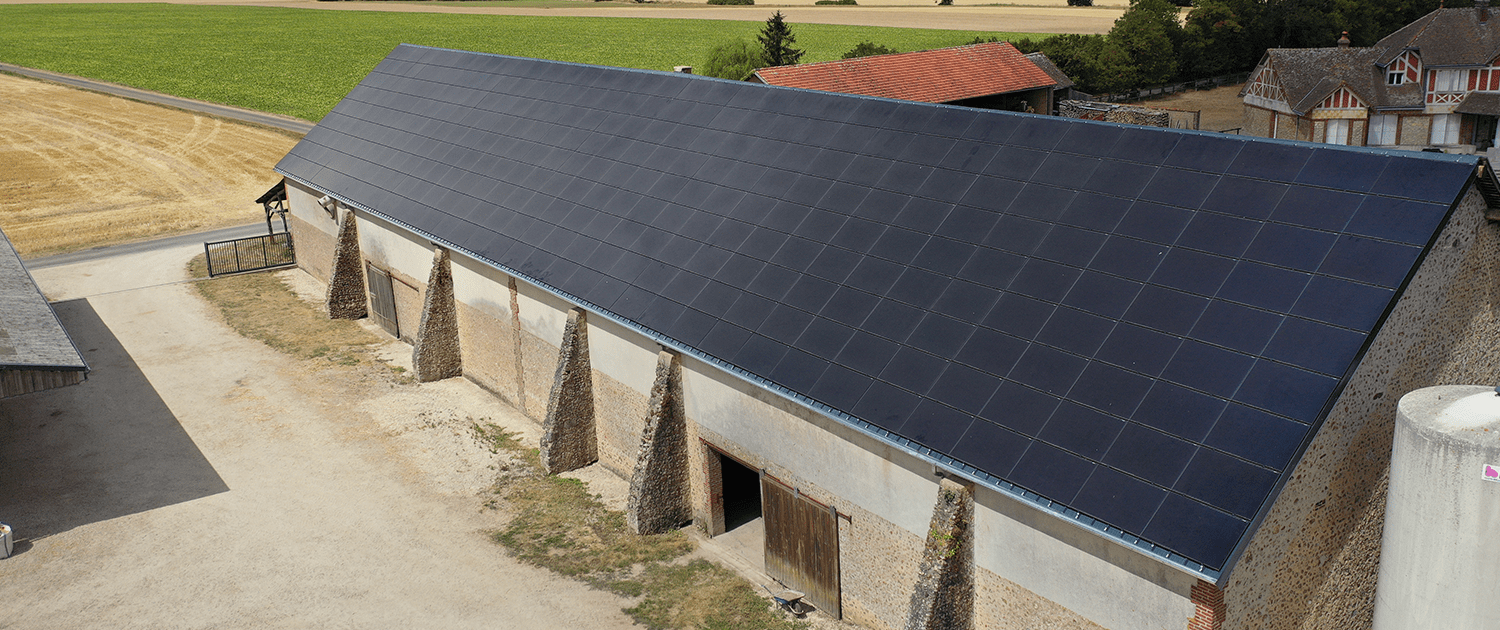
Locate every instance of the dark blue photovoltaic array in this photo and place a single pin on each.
(1143, 325)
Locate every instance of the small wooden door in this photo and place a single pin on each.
(382, 300)
(802, 545)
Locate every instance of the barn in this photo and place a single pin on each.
(963, 368)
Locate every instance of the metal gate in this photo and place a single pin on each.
(249, 254)
(802, 544)
(382, 299)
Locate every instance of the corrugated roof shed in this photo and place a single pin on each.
(930, 76)
(1137, 329)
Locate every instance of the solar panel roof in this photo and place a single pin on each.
(1137, 328)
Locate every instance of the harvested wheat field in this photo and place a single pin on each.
(80, 169)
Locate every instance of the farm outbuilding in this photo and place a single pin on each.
(967, 368)
(36, 353)
(990, 75)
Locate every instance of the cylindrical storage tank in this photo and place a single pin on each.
(1440, 554)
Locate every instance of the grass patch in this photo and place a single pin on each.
(701, 594)
(260, 306)
(300, 62)
(560, 525)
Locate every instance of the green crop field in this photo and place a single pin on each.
(301, 62)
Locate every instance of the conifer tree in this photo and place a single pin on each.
(777, 39)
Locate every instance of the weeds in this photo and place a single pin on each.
(701, 594)
(259, 306)
(562, 526)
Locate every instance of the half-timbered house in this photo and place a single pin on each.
(1434, 83)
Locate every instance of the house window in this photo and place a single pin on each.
(1395, 78)
(1382, 129)
(1449, 81)
(1338, 132)
(1445, 129)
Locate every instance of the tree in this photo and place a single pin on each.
(868, 49)
(1215, 41)
(776, 41)
(735, 59)
(1149, 33)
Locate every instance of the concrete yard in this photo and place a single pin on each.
(202, 480)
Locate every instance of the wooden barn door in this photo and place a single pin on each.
(802, 544)
(382, 300)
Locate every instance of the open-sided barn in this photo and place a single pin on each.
(977, 367)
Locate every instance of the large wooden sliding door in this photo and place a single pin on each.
(802, 544)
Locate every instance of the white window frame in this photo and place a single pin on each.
(1450, 81)
(1396, 77)
(1382, 129)
(1445, 129)
(1336, 132)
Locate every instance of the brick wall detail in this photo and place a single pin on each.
(1208, 601)
(346, 290)
(568, 441)
(435, 355)
(943, 598)
(658, 500)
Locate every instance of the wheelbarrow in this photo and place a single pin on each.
(790, 601)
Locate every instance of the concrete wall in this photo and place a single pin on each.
(1312, 564)
(314, 231)
(622, 388)
(1031, 569)
(486, 327)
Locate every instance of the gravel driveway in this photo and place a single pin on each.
(202, 480)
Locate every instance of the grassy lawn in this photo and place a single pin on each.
(301, 62)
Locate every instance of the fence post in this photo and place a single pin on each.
(209, 257)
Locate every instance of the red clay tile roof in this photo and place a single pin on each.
(932, 76)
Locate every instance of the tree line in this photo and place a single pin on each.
(1149, 45)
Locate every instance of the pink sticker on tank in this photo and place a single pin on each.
(1491, 472)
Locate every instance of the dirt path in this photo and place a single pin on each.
(1222, 108)
(84, 169)
(1037, 16)
(198, 479)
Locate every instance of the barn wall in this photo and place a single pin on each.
(486, 330)
(1313, 562)
(1031, 568)
(407, 257)
(314, 232)
(624, 367)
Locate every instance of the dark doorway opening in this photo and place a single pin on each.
(741, 493)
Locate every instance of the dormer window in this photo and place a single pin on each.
(1395, 78)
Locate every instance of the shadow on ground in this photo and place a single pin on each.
(105, 448)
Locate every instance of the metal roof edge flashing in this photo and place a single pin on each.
(921, 453)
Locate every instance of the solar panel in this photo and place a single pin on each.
(1142, 325)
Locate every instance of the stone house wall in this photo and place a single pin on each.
(1313, 562)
